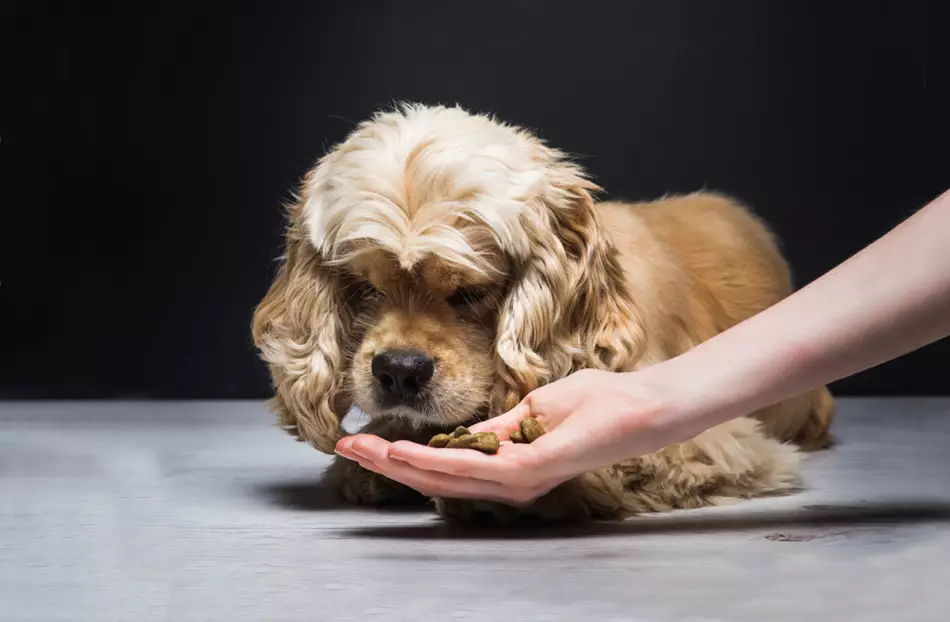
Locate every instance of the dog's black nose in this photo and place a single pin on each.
(402, 373)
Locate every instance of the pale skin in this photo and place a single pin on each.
(890, 299)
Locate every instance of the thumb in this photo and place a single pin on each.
(504, 424)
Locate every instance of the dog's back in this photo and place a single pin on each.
(697, 265)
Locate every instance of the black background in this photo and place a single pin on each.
(146, 149)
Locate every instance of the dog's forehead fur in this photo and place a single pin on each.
(426, 181)
(431, 274)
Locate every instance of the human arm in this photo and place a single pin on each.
(890, 299)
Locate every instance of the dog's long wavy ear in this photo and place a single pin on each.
(300, 328)
(568, 307)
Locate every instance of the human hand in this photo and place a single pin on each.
(592, 418)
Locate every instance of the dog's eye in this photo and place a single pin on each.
(368, 292)
(466, 296)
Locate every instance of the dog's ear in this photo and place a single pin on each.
(300, 328)
(568, 307)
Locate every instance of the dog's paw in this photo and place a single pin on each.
(360, 486)
(598, 495)
(554, 508)
(484, 513)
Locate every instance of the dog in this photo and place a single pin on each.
(441, 264)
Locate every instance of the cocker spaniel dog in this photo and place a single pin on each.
(439, 265)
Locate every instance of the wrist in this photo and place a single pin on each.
(686, 397)
(655, 407)
(728, 377)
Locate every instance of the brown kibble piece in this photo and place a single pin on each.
(439, 440)
(462, 438)
(486, 442)
(516, 437)
(461, 442)
(531, 429)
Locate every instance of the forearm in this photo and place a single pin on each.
(890, 299)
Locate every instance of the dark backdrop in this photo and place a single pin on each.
(146, 150)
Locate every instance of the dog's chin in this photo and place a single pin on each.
(415, 416)
(405, 412)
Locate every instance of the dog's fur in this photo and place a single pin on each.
(421, 201)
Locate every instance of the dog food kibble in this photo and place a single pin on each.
(439, 440)
(462, 438)
(487, 442)
(531, 429)
(461, 442)
(459, 431)
(451, 440)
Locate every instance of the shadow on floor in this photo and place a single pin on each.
(808, 523)
(312, 496)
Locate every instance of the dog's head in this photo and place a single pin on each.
(439, 266)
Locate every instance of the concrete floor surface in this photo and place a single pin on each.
(188, 511)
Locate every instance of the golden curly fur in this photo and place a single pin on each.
(474, 244)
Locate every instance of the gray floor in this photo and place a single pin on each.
(203, 511)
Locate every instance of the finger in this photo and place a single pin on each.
(369, 446)
(506, 423)
(435, 484)
(510, 464)
(346, 453)
(344, 446)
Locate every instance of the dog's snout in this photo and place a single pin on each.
(402, 373)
